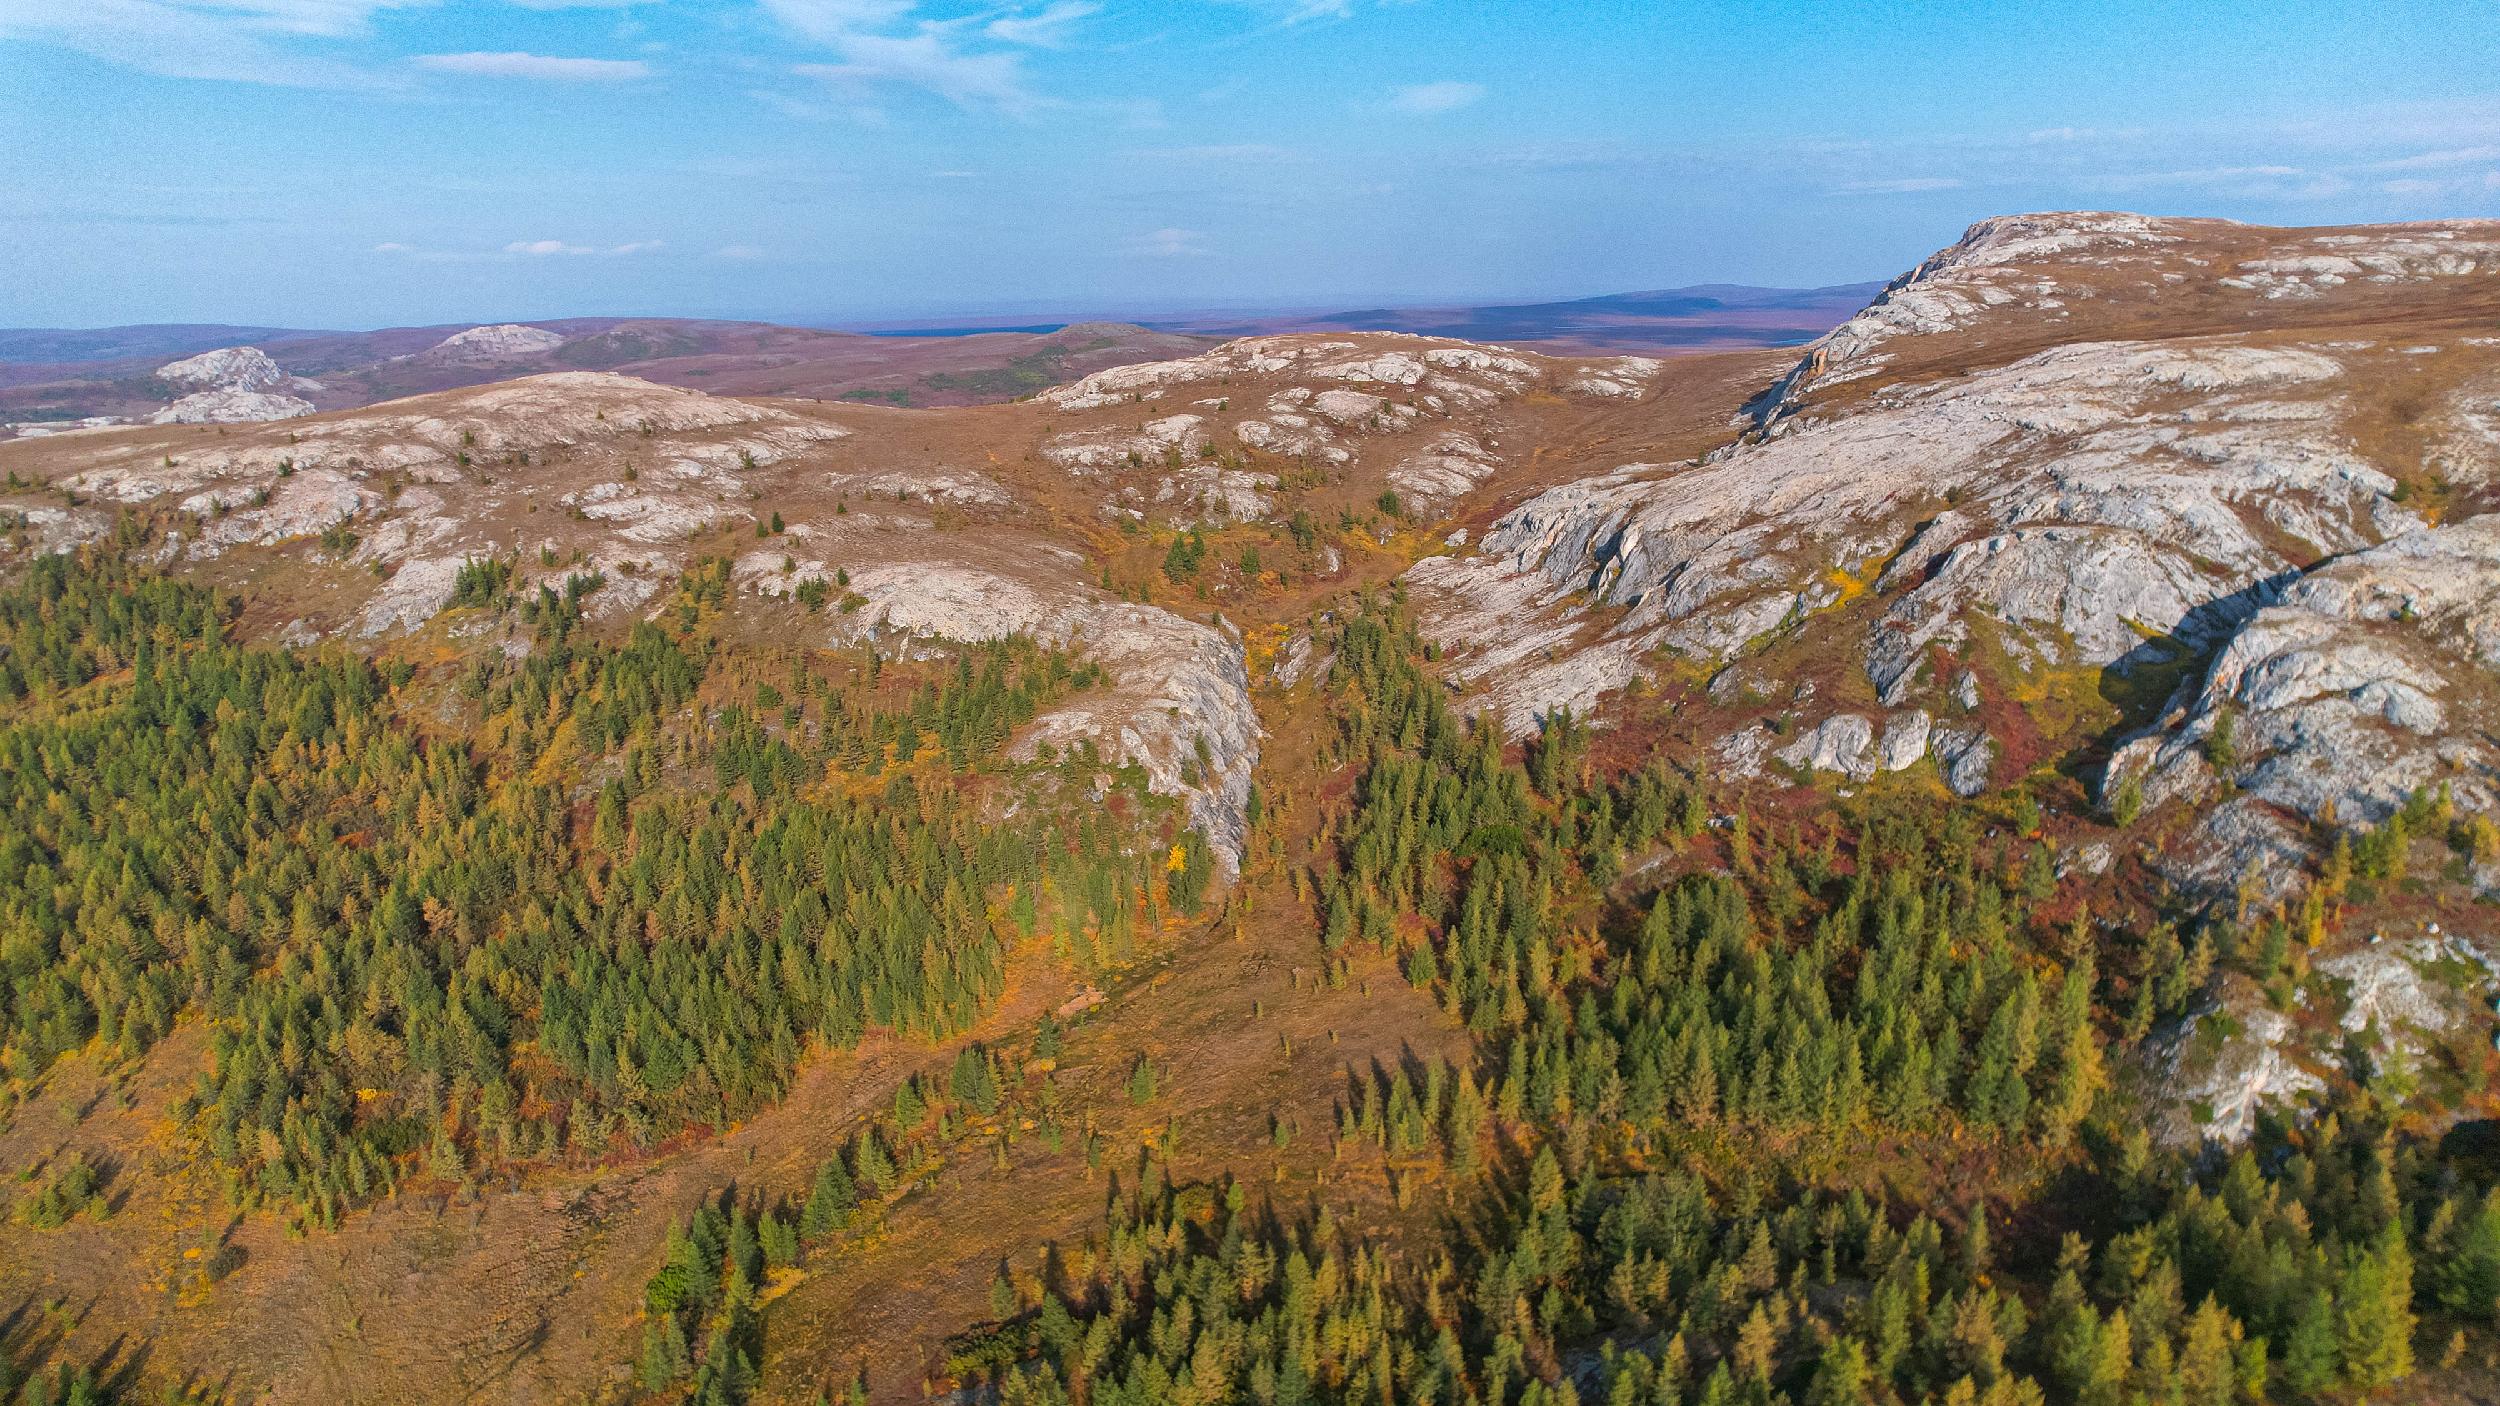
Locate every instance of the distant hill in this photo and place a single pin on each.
(51, 376)
(66, 346)
(1710, 315)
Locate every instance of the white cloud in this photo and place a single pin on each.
(1168, 244)
(2207, 175)
(2204, 177)
(1905, 185)
(544, 67)
(322, 17)
(1046, 28)
(1305, 11)
(1429, 98)
(547, 248)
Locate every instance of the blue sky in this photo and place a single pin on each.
(356, 163)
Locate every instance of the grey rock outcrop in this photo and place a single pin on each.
(2372, 676)
(1844, 744)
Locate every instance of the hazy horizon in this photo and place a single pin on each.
(968, 318)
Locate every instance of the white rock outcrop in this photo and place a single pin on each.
(231, 385)
(504, 341)
(227, 368)
(2061, 497)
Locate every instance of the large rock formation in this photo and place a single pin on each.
(504, 341)
(1975, 497)
(231, 385)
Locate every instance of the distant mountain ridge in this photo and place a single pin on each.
(1712, 316)
(1705, 315)
(52, 378)
(59, 346)
(64, 375)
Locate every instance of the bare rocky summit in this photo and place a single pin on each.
(1973, 521)
(507, 341)
(232, 385)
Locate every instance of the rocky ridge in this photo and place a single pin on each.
(1426, 409)
(1970, 539)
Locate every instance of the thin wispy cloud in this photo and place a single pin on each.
(1296, 12)
(2433, 160)
(2451, 186)
(817, 110)
(1046, 28)
(828, 20)
(2207, 175)
(1231, 153)
(539, 67)
(1905, 185)
(557, 248)
(2050, 135)
(873, 51)
(1169, 243)
(1428, 99)
(279, 43)
(928, 62)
